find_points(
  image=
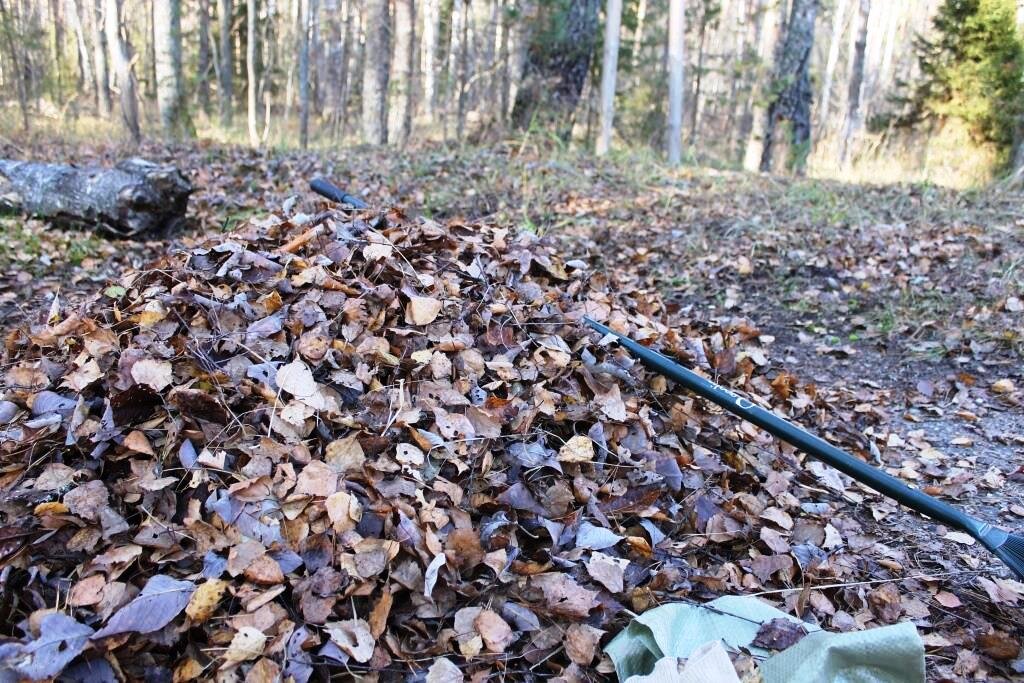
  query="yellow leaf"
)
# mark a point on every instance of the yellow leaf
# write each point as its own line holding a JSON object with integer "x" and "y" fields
{"x": 422, "y": 310}
{"x": 204, "y": 601}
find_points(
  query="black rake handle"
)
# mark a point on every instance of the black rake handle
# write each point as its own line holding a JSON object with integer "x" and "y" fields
{"x": 805, "y": 441}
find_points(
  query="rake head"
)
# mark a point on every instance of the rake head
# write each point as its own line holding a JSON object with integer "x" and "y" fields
{"x": 1007, "y": 547}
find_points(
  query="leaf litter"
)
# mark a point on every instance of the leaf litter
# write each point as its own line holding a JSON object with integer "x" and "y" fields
{"x": 442, "y": 435}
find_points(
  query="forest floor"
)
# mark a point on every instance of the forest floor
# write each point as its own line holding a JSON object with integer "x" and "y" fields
{"x": 902, "y": 306}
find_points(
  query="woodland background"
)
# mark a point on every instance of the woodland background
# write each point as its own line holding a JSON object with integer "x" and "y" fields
{"x": 853, "y": 89}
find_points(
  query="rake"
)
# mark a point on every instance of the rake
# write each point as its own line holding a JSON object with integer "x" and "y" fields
{"x": 1007, "y": 547}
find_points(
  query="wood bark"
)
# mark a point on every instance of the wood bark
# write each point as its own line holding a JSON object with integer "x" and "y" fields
{"x": 838, "y": 22}
{"x": 121, "y": 56}
{"x": 86, "y": 80}
{"x": 19, "y": 77}
{"x": 303, "y": 29}
{"x": 134, "y": 197}
{"x": 250, "y": 71}
{"x": 768, "y": 24}
{"x": 502, "y": 48}
{"x": 203, "y": 57}
{"x": 401, "y": 85}
{"x": 170, "y": 90}
{"x": 698, "y": 75}
{"x": 638, "y": 42}
{"x": 225, "y": 16}
{"x": 792, "y": 87}
{"x": 854, "y": 118}
{"x": 555, "y": 74}
{"x": 609, "y": 69}
{"x": 100, "y": 64}
{"x": 431, "y": 23}
{"x": 676, "y": 62}
{"x": 375, "y": 72}
{"x": 454, "y": 87}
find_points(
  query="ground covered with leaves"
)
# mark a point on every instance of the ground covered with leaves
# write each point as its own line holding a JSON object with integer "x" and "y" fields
{"x": 291, "y": 440}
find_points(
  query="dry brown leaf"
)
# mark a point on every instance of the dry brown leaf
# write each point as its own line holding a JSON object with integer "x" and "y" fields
{"x": 353, "y": 637}
{"x": 579, "y": 448}
{"x": 422, "y": 310}
{"x": 247, "y": 643}
{"x": 581, "y": 642}
{"x": 155, "y": 374}
{"x": 496, "y": 633}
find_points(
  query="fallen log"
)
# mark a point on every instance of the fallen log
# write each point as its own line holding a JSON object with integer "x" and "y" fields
{"x": 132, "y": 198}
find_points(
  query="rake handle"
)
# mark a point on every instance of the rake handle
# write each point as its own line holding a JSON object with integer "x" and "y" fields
{"x": 326, "y": 188}
{"x": 796, "y": 436}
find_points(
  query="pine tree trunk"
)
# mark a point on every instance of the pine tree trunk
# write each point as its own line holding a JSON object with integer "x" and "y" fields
{"x": 225, "y": 15}
{"x": 609, "y": 69}
{"x": 431, "y": 23}
{"x": 121, "y": 55}
{"x": 101, "y": 69}
{"x": 401, "y": 86}
{"x": 303, "y": 28}
{"x": 676, "y": 65}
{"x": 250, "y": 71}
{"x": 375, "y": 72}
{"x": 792, "y": 86}
{"x": 203, "y": 65}
{"x": 169, "y": 82}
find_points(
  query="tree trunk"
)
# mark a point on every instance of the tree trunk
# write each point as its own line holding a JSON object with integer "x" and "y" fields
{"x": 225, "y": 15}
{"x": 768, "y": 27}
{"x": 400, "y": 123}
{"x": 695, "y": 106}
{"x": 86, "y": 80}
{"x": 169, "y": 82}
{"x": 250, "y": 71}
{"x": 854, "y": 119}
{"x": 121, "y": 55}
{"x": 676, "y": 62}
{"x": 833, "y": 58}
{"x": 792, "y": 86}
{"x": 431, "y": 22}
{"x": 19, "y": 76}
{"x": 203, "y": 64}
{"x": 375, "y": 72}
{"x": 149, "y": 49}
{"x": 609, "y": 69}
{"x": 638, "y": 42}
{"x": 503, "y": 61}
{"x": 132, "y": 198}
{"x": 100, "y": 51}
{"x": 1018, "y": 144}
{"x": 555, "y": 75}
{"x": 303, "y": 29}
{"x": 519, "y": 37}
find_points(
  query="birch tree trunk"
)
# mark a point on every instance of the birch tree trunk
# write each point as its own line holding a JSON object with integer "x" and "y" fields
{"x": 100, "y": 51}
{"x": 792, "y": 86}
{"x": 375, "y": 72}
{"x": 250, "y": 71}
{"x": 838, "y": 21}
{"x": 303, "y": 29}
{"x": 84, "y": 59}
{"x": 225, "y": 15}
{"x": 121, "y": 55}
{"x": 203, "y": 62}
{"x": 856, "y": 81}
{"x": 768, "y": 27}
{"x": 609, "y": 67}
{"x": 169, "y": 82}
{"x": 431, "y": 22}
{"x": 401, "y": 86}
{"x": 676, "y": 64}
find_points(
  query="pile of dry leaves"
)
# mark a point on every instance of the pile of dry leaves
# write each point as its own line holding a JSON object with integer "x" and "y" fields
{"x": 387, "y": 445}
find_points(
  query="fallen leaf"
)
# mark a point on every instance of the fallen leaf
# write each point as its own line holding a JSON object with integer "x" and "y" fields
{"x": 353, "y": 637}
{"x": 422, "y": 310}
{"x": 162, "y": 599}
{"x": 205, "y": 599}
{"x": 577, "y": 449}
{"x": 247, "y": 643}
{"x": 155, "y": 374}
{"x": 581, "y": 643}
{"x": 778, "y": 634}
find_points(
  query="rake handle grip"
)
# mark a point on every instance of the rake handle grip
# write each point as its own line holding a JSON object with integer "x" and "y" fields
{"x": 796, "y": 436}
{"x": 326, "y": 188}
